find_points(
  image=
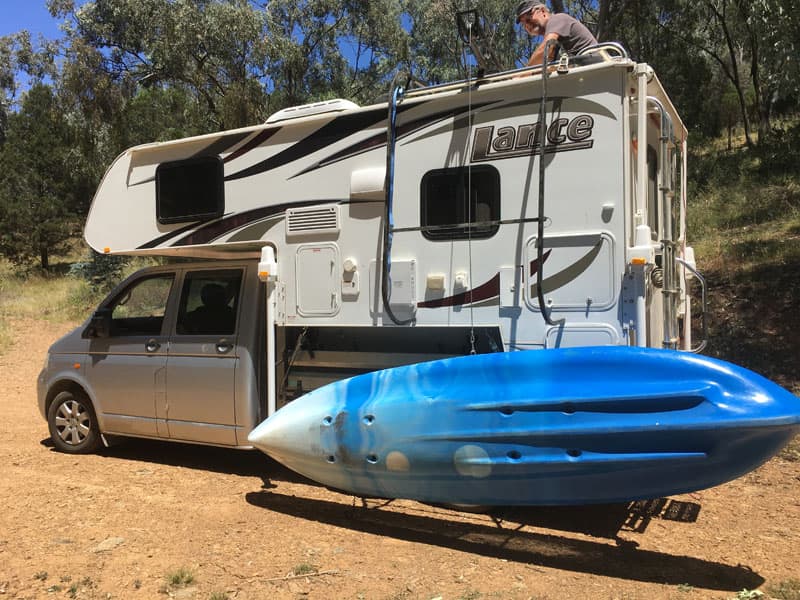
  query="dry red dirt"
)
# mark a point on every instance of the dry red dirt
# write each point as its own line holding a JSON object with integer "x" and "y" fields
{"x": 120, "y": 523}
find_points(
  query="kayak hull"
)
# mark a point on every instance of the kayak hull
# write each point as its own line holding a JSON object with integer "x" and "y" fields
{"x": 555, "y": 427}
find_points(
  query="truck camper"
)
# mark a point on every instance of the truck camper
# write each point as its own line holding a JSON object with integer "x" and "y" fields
{"x": 520, "y": 210}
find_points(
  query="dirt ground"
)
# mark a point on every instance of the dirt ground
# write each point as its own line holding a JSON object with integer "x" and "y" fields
{"x": 155, "y": 520}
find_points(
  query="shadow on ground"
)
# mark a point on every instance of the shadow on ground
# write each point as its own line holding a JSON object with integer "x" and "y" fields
{"x": 246, "y": 463}
{"x": 601, "y": 520}
{"x": 514, "y": 542}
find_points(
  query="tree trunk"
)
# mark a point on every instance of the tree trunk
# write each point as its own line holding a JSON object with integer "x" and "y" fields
{"x": 734, "y": 71}
{"x": 44, "y": 257}
{"x": 730, "y": 133}
{"x": 602, "y": 19}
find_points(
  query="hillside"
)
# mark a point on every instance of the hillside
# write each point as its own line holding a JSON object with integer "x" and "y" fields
{"x": 744, "y": 222}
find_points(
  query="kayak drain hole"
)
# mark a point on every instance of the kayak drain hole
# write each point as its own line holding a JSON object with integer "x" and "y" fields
{"x": 569, "y": 409}
{"x": 574, "y": 453}
{"x": 369, "y": 419}
{"x": 507, "y": 411}
{"x": 372, "y": 459}
{"x": 513, "y": 455}
{"x": 331, "y": 459}
{"x": 327, "y": 420}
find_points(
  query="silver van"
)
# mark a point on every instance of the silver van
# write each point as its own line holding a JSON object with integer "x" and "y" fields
{"x": 174, "y": 352}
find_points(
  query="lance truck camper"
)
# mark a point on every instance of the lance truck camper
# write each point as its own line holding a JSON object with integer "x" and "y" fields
{"x": 482, "y": 216}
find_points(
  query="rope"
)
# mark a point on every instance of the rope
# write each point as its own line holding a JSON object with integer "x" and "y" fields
{"x": 469, "y": 208}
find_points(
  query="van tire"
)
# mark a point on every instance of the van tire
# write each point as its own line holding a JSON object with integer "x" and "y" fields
{"x": 73, "y": 424}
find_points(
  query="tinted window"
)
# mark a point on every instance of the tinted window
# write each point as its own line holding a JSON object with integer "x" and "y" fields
{"x": 209, "y": 302}
{"x": 190, "y": 190}
{"x": 460, "y": 203}
{"x": 139, "y": 310}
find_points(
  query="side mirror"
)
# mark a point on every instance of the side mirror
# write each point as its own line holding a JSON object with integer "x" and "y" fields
{"x": 99, "y": 325}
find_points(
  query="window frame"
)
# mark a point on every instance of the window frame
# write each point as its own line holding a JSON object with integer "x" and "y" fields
{"x": 218, "y": 189}
{"x": 464, "y": 231}
{"x": 183, "y": 294}
{"x": 112, "y": 304}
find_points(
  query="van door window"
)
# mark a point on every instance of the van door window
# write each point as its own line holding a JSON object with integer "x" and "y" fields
{"x": 209, "y": 302}
{"x": 140, "y": 308}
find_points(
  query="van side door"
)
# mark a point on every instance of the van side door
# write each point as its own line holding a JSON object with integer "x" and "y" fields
{"x": 127, "y": 368}
{"x": 204, "y": 357}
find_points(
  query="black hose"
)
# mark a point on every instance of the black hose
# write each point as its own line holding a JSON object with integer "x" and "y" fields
{"x": 540, "y": 234}
{"x": 396, "y": 92}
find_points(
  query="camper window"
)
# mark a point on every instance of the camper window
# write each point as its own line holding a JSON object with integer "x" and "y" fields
{"x": 190, "y": 190}
{"x": 460, "y": 203}
{"x": 208, "y": 303}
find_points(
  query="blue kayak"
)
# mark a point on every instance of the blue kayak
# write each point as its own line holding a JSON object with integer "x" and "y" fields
{"x": 550, "y": 427}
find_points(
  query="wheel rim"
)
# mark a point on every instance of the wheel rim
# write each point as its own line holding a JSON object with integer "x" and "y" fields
{"x": 73, "y": 422}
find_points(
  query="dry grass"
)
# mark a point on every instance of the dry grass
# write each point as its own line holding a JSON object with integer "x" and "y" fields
{"x": 53, "y": 297}
{"x": 56, "y": 296}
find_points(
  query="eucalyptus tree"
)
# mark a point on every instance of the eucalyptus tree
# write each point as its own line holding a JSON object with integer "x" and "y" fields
{"x": 752, "y": 44}
{"x": 770, "y": 31}
{"x": 305, "y": 60}
{"x": 437, "y": 53}
{"x": 215, "y": 49}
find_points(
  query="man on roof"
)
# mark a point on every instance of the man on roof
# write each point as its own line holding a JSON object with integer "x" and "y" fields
{"x": 538, "y": 20}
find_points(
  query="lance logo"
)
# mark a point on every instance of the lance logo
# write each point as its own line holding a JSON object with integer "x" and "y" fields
{"x": 509, "y": 142}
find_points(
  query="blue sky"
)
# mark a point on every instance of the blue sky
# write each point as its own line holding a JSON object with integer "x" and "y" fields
{"x": 27, "y": 14}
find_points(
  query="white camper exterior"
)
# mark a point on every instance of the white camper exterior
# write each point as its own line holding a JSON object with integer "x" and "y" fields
{"x": 308, "y": 194}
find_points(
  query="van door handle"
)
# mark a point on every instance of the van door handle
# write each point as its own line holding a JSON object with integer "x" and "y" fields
{"x": 224, "y": 346}
{"x": 151, "y": 345}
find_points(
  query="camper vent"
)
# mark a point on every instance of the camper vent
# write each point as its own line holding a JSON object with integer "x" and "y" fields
{"x": 312, "y": 220}
{"x": 306, "y": 110}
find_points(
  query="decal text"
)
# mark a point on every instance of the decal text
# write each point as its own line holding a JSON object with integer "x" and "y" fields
{"x": 508, "y": 142}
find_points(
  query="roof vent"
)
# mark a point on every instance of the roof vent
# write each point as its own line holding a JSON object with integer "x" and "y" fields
{"x": 314, "y": 220}
{"x": 316, "y": 108}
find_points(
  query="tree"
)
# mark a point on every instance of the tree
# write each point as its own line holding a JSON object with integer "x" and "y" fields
{"x": 18, "y": 55}
{"x": 212, "y": 48}
{"x": 771, "y": 37}
{"x": 437, "y": 54}
{"x": 37, "y": 215}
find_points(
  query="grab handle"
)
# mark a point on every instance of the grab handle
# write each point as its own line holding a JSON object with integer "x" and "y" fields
{"x": 703, "y": 289}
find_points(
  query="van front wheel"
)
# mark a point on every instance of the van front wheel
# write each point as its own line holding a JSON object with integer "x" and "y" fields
{"x": 73, "y": 423}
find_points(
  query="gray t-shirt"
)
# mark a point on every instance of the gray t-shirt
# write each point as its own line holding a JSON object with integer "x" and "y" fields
{"x": 572, "y": 34}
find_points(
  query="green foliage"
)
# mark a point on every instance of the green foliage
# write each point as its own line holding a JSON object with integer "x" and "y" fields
{"x": 102, "y": 271}
{"x": 38, "y": 204}
{"x": 304, "y": 569}
{"x": 744, "y": 224}
{"x": 180, "y": 577}
{"x": 215, "y": 50}
{"x": 436, "y": 53}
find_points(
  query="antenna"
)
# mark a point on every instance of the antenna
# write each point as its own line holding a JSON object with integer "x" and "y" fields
{"x": 474, "y": 32}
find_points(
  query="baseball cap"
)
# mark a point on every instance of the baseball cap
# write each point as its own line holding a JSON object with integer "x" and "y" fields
{"x": 526, "y": 6}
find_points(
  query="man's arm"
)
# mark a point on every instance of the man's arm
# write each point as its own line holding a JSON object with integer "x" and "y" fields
{"x": 538, "y": 54}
